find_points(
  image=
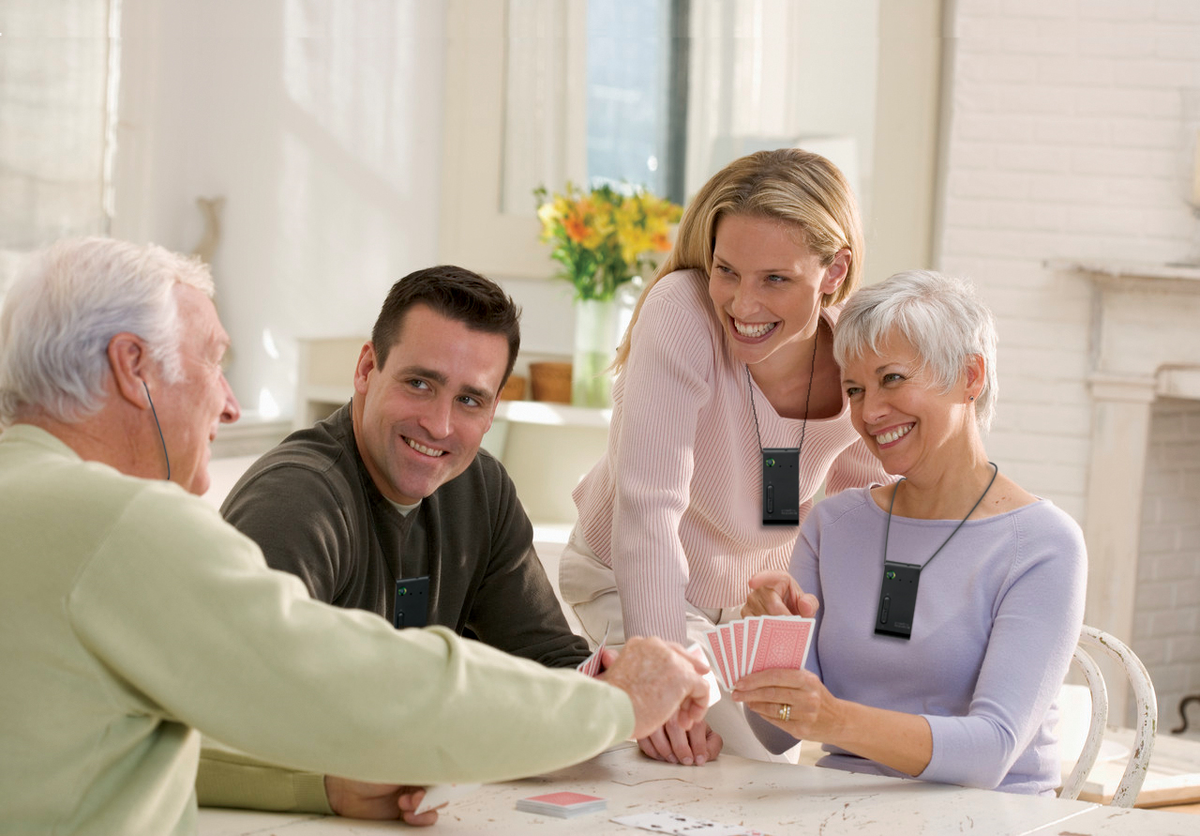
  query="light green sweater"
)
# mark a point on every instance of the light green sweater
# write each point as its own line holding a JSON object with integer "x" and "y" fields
{"x": 132, "y": 615}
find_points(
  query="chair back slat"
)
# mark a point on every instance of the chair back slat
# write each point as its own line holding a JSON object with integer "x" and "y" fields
{"x": 1094, "y": 680}
{"x": 1145, "y": 725}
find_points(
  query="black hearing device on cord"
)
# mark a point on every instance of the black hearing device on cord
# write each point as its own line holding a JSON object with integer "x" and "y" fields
{"x": 781, "y": 486}
{"x": 781, "y": 465}
{"x": 412, "y": 602}
{"x": 897, "y": 599}
{"x": 898, "y": 592}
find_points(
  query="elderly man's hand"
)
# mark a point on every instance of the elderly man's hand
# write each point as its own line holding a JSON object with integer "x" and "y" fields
{"x": 664, "y": 682}
{"x": 777, "y": 593}
{"x": 363, "y": 800}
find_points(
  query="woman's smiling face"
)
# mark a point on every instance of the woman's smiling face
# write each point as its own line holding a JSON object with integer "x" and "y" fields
{"x": 904, "y": 417}
{"x": 766, "y": 284}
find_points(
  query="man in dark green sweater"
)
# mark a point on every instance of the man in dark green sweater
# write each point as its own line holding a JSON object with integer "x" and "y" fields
{"x": 394, "y": 486}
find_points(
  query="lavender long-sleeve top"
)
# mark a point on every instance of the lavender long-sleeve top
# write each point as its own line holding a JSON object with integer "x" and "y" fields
{"x": 997, "y": 619}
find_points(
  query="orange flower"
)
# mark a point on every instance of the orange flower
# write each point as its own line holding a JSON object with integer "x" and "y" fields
{"x": 576, "y": 228}
{"x": 604, "y": 236}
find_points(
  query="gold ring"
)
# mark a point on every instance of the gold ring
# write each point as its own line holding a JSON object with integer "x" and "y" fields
{"x": 785, "y": 713}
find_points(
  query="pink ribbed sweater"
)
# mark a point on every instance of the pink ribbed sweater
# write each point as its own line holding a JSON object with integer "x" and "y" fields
{"x": 674, "y": 507}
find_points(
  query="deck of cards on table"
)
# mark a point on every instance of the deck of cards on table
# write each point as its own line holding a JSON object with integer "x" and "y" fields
{"x": 562, "y": 804}
{"x": 749, "y": 645}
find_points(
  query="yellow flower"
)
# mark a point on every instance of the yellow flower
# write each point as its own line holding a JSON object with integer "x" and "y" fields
{"x": 604, "y": 237}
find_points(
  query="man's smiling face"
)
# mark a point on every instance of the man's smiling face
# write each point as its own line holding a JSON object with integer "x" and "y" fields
{"x": 419, "y": 419}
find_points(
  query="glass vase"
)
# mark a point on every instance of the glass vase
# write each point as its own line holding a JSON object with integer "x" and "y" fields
{"x": 599, "y": 326}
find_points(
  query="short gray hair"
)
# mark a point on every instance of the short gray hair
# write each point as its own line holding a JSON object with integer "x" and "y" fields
{"x": 939, "y": 315}
{"x": 68, "y": 302}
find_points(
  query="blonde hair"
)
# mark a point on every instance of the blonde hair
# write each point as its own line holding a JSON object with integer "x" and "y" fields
{"x": 787, "y": 184}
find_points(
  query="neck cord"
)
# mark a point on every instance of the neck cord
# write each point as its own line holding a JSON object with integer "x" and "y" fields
{"x": 811, "y": 372}
{"x": 887, "y": 528}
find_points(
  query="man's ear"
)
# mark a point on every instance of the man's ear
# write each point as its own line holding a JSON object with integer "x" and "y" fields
{"x": 128, "y": 361}
{"x": 367, "y": 363}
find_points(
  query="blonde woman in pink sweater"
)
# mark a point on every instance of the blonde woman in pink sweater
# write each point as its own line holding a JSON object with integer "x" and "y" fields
{"x": 730, "y": 353}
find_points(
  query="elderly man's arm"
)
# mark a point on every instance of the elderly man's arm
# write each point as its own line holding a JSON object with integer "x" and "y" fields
{"x": 227, "y": 778}
{"x": 182, "y": 606}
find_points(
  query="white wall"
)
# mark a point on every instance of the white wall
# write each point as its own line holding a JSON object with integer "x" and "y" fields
{"x": 1071, "y": 131}
{"x": 320, "y": 124}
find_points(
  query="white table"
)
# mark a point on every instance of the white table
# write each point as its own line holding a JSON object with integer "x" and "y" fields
{"x": 774, "y": 798}
{"x": 1114, "y": 821}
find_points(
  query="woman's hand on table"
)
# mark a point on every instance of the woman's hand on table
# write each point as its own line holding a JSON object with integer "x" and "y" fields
{"x": 693, "y": 747}
{"x": 777, "y": 593}
{"x": 364, "y": 800}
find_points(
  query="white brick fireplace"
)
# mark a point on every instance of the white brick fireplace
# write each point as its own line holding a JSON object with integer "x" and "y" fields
{"x": 1166, "y": 622}
{"x": 1143, "y": 486}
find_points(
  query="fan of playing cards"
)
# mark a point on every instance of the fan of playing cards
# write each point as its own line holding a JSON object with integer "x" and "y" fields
{"x": 749, "y": 645}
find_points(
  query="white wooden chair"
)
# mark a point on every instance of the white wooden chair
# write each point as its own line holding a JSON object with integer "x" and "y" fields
{"x": 1146, "y": 721}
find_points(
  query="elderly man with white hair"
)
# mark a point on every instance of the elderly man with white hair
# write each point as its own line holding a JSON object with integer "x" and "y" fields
{"x": 132, "y": 616}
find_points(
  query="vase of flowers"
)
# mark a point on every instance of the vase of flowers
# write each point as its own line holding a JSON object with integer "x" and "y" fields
{"x": 604, "y": 240}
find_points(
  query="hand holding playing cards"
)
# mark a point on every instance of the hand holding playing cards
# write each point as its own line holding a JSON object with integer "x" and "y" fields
{"x": 363, "y": 800}
{"x": 814, "y": 711}
{"x": 777, "y": 593}
{"x": 901, "y": 741}
{"x": 663, "y": 681}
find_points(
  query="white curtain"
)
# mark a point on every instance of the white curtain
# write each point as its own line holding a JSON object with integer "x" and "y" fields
{"x": 56, "y": 116}
{"x": 774, "y": 73}
{"x": 545, "y": 123}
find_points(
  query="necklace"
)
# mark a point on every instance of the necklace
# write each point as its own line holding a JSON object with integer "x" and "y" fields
{"x": 781, "y": 465}
{"x": 898, "y": 592}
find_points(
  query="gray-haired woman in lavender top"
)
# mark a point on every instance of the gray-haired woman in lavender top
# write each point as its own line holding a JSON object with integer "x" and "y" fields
{"x": 949, "y": 603}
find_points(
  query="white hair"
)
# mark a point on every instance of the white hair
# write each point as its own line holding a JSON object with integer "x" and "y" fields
{"x": 940, "y": 316}
{"x": 70, "y": 299}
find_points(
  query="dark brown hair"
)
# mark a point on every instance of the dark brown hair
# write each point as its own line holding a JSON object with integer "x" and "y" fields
{"x": 455, "y": 293}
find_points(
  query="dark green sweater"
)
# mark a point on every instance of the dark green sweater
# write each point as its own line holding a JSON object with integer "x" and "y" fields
{"x": 315, "y": 512}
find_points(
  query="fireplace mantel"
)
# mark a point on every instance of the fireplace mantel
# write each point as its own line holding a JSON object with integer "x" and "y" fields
{"x": 1136, "y": 271}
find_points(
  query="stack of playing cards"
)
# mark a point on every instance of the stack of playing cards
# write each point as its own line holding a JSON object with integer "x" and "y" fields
{"x": 591, "y": 665}
{"x": 749, "y": 645}
{"x": 562, "y": 804}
